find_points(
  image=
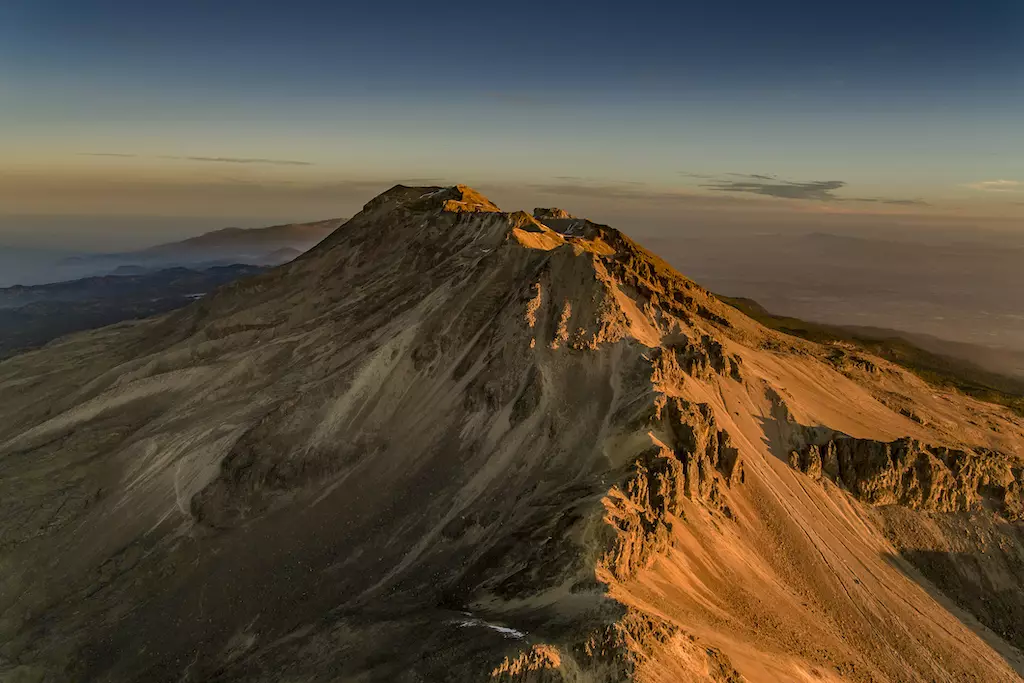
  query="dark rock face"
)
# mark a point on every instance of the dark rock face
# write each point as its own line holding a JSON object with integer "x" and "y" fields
{"x": 909, "y": 473}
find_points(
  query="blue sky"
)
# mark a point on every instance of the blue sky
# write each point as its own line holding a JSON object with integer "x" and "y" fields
{"x": 306, "y": 108}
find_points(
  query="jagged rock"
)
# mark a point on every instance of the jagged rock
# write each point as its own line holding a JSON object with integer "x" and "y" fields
{"x": 907, "y": 472}
{"x": 698, "y": 359}
{"x": 691, "y": 459}
{"x": 545, "y": 214}
{"x": 540, "y": 664}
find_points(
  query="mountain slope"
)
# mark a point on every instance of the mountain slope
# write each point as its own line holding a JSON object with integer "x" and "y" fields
{"x": 456, "y": 444}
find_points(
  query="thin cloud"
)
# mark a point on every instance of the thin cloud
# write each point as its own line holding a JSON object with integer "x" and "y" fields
{"x": 755, "y": 176}
{"x": 605, "y": 191}
{"x": 732, "y": 191}
{"x": 818, "y": 190}
{"x": 216, "y": 160}
{"x": 884, "y": 200}
{"x": 241, "y": 160}
{"x": 630, "y": 191}
{"x": 813, "y": 190}
{"x": 583, "y": 181}
{"x": 706, "y": 176}
{"x": 998, "y": 186}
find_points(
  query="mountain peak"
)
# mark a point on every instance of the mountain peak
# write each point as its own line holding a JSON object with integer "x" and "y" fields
{"x": 457, "y": 199}
{"x": 542, "y": 214}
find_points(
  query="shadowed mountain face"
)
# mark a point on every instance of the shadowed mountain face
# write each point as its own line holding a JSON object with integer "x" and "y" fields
{"x": 455, "y": 444}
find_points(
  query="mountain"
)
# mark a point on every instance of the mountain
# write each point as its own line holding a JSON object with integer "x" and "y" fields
{"x": 31, "y": 316}
{"x": 255, "y": 241}
{"x": 455, "y": 444}
{"x": 257, "y": 246}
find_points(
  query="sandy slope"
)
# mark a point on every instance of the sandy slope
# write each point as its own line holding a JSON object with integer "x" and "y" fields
{"x": 455, "y": 444}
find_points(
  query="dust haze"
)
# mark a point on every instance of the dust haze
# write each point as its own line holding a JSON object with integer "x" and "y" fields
{"x": 954, "y": 279}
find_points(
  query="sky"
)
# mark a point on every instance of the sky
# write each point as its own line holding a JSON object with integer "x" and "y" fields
{"x": 175, "y": 117}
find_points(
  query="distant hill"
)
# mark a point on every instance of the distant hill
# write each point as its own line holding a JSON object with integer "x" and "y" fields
{"x": 258, "y": 241}
{"x": 33, "y": 316}
{"x": 270, "y": 246}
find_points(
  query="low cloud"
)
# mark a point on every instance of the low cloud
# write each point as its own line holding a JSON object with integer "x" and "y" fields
{"x": 623, "y": 190}
{"x": 216, "y": 160}
{"x": 622, "y": 193}
{"x": 242, "y": 160}
{"x": 707, "y": 176}
{"x": 756, "y": 176}
{"x": 731, "y": 191}
{"x": 812, "y": 190}
{"x": 885, "y": 200}
{"x": 998, "y": 186}
{"x": 819, "y": 190}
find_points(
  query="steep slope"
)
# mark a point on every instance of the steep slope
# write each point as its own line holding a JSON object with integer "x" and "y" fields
{"x": 456, "y": 444}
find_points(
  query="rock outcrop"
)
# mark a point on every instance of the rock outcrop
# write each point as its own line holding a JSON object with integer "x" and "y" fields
{"x": 542, "y": 214}
{"x": 907, "y": 472}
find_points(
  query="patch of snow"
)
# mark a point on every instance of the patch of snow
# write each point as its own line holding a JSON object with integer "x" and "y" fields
{"x": 503, "y": 630}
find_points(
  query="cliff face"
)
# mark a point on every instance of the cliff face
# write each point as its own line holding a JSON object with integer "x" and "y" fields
{"x": 909, "y": 473}
{"x": 451, "y": 443}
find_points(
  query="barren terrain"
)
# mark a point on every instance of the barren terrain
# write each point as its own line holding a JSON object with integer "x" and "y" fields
{"x": 455, "y": 444}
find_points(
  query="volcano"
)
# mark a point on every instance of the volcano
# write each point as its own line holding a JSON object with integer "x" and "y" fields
{"x": 451, "y": 443}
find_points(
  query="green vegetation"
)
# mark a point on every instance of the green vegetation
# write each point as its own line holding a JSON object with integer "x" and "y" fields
{"x": 936, "y": 369}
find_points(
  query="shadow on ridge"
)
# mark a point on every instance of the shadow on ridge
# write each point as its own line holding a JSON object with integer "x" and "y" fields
{"x": 983, "y": 588}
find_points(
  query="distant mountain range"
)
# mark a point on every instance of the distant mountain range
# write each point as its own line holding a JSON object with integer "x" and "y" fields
{"x": 35, "y": 315}
{"x": 270, "y": 246}
{"x": 83, "y": 292}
